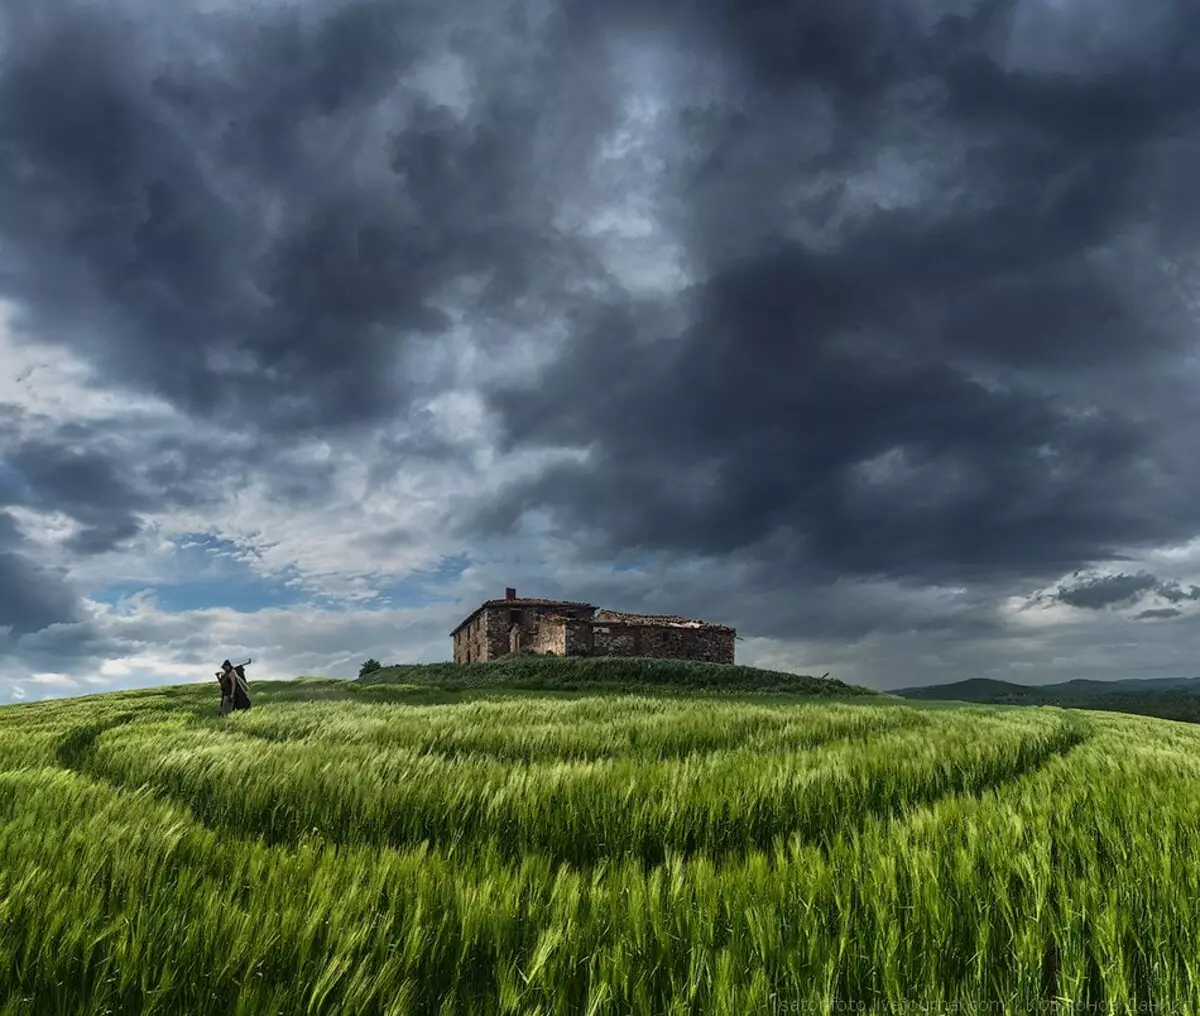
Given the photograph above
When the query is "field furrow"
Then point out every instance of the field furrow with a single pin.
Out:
(605, 854)
(784, 776)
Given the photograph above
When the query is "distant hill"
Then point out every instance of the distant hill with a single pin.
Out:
(1132, 684)
(976, 689)
(1171, 698)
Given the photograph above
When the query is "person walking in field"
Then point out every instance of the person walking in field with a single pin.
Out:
(235, 691)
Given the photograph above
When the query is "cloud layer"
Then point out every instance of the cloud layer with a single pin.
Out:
(867, 328)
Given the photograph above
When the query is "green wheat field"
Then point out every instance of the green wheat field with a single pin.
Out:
(592, 837)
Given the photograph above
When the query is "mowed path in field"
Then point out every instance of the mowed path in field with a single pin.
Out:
(344, 848)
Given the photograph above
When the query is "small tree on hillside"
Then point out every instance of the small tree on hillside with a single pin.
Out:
(369, 667)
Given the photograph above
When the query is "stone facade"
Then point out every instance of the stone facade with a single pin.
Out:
(551, 638)
(566, 628)
(564, 636)
(510, 625)
(665, 639)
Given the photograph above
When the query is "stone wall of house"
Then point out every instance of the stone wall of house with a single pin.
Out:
(577, 638)
(560, 637)
(666, 642)
(471, 641)
(708, 645)
(551, 638)
(517, 627)
(530, 623)
(614, 639)
(499, 628)
(485, 637)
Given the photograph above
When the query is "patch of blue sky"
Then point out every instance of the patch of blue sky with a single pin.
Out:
(243, 593)
(212, 573)
(206, 552)
(219, 573)
(426, 587)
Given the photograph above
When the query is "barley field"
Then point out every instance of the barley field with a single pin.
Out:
(456, 845)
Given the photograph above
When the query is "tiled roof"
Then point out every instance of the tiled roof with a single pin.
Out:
(523, 601)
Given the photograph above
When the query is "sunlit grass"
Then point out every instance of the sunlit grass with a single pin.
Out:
(485, 851)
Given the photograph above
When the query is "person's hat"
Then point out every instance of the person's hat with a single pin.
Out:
(226, 665)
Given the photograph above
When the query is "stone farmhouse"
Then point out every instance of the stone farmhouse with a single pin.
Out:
(569, 628)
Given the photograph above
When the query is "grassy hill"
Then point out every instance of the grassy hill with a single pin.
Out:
(438, 840)
(530, 671)
(1166, 698)
(976, 689)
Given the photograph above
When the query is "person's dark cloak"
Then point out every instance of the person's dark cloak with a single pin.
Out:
(241, 694)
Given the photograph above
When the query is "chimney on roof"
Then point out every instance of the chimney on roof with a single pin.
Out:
(510, 593)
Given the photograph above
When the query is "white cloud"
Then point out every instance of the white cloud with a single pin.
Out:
(56, 680)
(49, 382)
(151, 646)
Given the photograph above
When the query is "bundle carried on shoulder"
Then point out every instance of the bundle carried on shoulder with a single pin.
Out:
(241, 688)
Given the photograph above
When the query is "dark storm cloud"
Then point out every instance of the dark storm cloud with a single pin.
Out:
(725, 440)
(969, 381)
(1096, 592)
(1173, 592)
(31, 596)
(1159, 614)
(251, 213)
(1106, 590)
(839, 613)
(90, 486)
(936, 306)
(107, 478)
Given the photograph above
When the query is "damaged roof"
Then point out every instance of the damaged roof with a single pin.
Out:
(657, 620)
(601, 616)
(523, 601)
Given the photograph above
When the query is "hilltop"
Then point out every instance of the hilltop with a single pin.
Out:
(530, 671)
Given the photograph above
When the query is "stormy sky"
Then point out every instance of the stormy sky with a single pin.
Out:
(868, 328)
